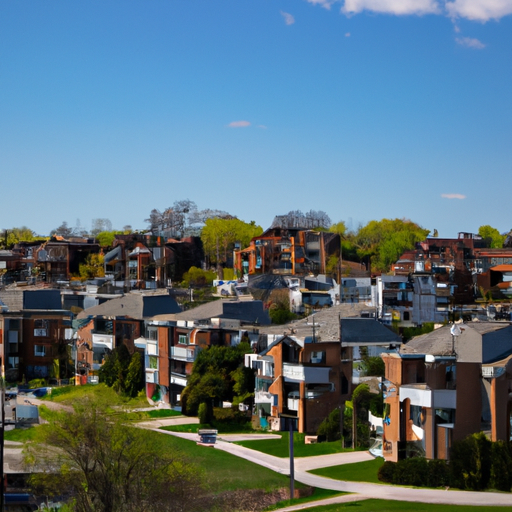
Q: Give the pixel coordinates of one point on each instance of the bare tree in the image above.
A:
(295, 219)
(99, 225)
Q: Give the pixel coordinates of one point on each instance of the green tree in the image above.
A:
(219, 236)
(383, 242)
(10, 237)
(197, 277)
(214, 377)
(122, 371)
(104, 465)
(106, 238)
(371, 365)
(134, 376)
(492, 236)
(93, 267)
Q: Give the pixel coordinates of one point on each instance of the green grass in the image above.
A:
(190, 428)
(162, 413)
(355, 472)
(318, 494)
(69, 394)
(223, 428)
(399, 506)
(21, 435)
(280, 447)
(224, 471)
(155, 414)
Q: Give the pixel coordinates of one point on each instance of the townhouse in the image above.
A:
(445, 385)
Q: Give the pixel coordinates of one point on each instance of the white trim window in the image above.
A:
(40, 350)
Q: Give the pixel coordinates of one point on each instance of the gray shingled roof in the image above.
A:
(135, 305)
(326, 323)
(249, 311)
(482, 342)
(364, 331)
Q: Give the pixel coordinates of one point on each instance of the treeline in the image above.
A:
(378, 244)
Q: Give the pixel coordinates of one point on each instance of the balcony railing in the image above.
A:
(308, 374)
(184, 354)
(293, 404)
(263, 397)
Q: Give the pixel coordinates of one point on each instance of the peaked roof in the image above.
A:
(134, 305)
(249, 311)
(480, 342)
(367, 331)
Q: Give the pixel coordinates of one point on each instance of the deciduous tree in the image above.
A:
(492, 236)
(219, 237)
(103, 465)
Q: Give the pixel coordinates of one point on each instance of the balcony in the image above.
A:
(292, 404)
(308, 374)
(151, 377)
(421, 396)
(187, 354)
(263, 397)
(103, 340)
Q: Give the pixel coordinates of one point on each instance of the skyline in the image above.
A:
(365, 109)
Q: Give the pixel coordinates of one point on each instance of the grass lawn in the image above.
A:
(192, 428)
(280, 447)
(399, 506)
(69, 394)
(355, 472)
(224, 472)
(21, 435)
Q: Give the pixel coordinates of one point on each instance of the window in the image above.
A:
(14, 323)
(318, 357)
(152, 333)
(103, 326)
(182, 339)
(40, 350)
(40, 324)
(14, 362)
(406, 316)
(153, 362)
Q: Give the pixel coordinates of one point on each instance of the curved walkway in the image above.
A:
(362, 490)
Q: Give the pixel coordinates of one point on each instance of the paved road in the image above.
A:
(362, 490)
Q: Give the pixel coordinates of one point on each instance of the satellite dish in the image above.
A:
(455, 330)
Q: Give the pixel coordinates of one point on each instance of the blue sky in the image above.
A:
(366, 109)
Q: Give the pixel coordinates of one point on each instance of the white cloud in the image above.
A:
(262, 126)
(239, 124)
(456, 29)
(479, 10)
(398, 7)
(326, 4)
(470, 42)
(288, 18)
(347, 34)
(453, 196)
(476, 10)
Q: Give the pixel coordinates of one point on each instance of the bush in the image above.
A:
(438, 473)
(413, 471)
(416, 471)
(501, 467)
(37, 383)
(470, 462)
(387, 471)
(329, 429)
(202, 413)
